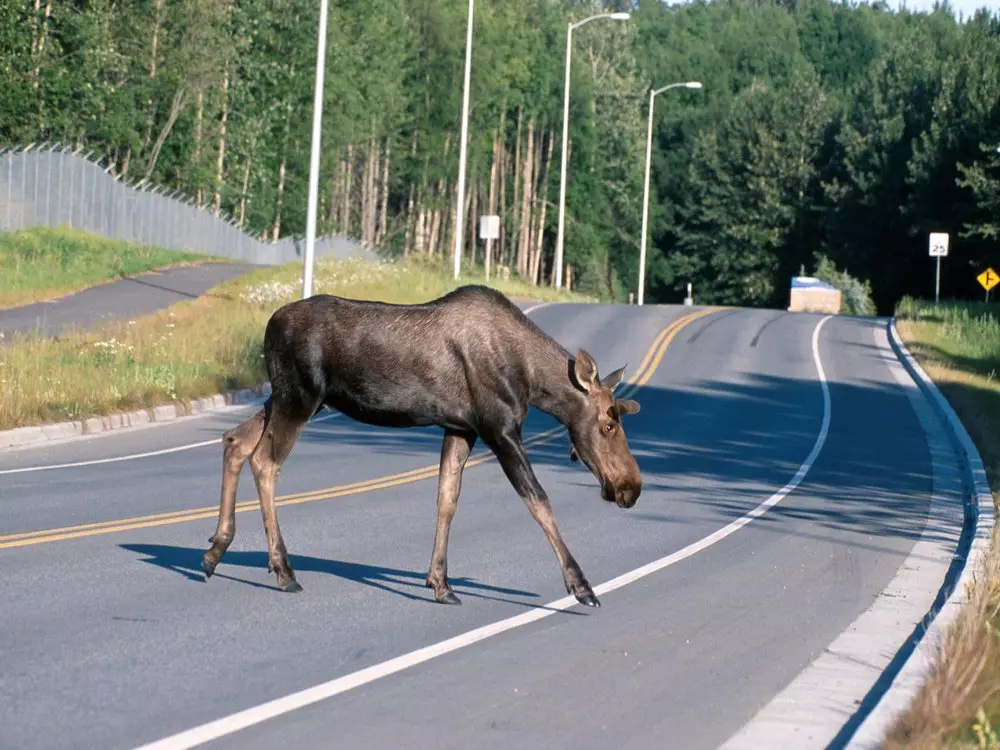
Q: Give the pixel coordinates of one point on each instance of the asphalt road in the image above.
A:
(113, 639)
(132, 296)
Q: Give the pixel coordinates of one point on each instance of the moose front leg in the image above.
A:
(455, 450)
(516, 466)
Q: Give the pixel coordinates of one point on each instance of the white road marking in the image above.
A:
(539, 306)
(248, 717)
(134, 456)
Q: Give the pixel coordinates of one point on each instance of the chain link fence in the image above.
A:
(47, 186)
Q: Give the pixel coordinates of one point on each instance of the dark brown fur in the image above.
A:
(470, 362)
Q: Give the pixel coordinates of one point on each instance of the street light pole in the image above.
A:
(307, 262)
(645, 194)
(459, 212)
(561, 232)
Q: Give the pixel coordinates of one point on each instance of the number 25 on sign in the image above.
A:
(988, 279)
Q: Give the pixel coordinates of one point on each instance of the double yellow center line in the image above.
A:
(647, 367)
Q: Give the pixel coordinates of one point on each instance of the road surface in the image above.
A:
(112, 638)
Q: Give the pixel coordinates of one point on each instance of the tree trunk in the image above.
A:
(516, 205)
(276, 228)
(527, 177)
(345, 209)
(383, 214)
(175, 109)
(154, 51)
(539, 240)
(243, 193)
(199, 193)
(471, 224)
(330, 219)
(220, 161)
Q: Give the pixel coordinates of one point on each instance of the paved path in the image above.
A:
(126, 298)
(112, 638)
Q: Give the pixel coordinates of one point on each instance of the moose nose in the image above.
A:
(626, 497)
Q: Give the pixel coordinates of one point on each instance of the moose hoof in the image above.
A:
(291, 587)
(209, 567)
(448, 597)
(589, 599)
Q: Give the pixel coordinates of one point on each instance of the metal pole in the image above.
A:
(460, 203)
(307, 262)
(645, 200)
(937, 280)
(561, 232)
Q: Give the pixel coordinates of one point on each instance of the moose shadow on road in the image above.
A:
(186, 561)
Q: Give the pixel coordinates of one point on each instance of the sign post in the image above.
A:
(489, 230)
(988, 279)
(938, 248)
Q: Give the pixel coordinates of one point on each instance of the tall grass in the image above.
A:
(958, 344)
(41, 264)
(199, 347)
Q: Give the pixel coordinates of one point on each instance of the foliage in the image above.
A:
(849, 129)
(856, 296)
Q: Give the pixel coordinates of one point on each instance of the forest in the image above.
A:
(825, 132)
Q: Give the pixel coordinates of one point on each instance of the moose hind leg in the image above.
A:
(279, 436)
(455, 450)
(237, 445)
(514, 461)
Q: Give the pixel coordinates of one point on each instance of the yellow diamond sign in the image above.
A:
(988, 278)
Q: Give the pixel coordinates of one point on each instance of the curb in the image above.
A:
(35, 435)
(979, 522)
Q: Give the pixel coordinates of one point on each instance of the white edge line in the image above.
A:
(270, 709)
(133, 456)
(904, 687)
(539, 306)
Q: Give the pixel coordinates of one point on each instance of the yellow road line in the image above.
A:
(647, 368)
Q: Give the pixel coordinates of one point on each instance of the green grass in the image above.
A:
(42, 264)
(958, 345)
(200, 347)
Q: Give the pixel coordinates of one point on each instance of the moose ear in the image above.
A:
(584, 371)
(613, 380)
(627, 407)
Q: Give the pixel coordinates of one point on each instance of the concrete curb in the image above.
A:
(979, 523)
(23, 437)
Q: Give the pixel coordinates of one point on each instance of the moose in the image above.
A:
(470, 362)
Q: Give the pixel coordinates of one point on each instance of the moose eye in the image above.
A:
(609, 427)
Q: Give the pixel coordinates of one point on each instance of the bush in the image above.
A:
(856, 296)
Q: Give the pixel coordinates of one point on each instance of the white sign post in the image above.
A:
(938, 248)
(489, 230)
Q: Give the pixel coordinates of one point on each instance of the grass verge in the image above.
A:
(958, 345)
(43, 264)
(197, 348)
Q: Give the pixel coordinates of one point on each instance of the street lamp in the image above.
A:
(307, 263)
(645, 193)
(459, 212)
(565, 137)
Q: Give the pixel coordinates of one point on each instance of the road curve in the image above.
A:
(112, 638)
